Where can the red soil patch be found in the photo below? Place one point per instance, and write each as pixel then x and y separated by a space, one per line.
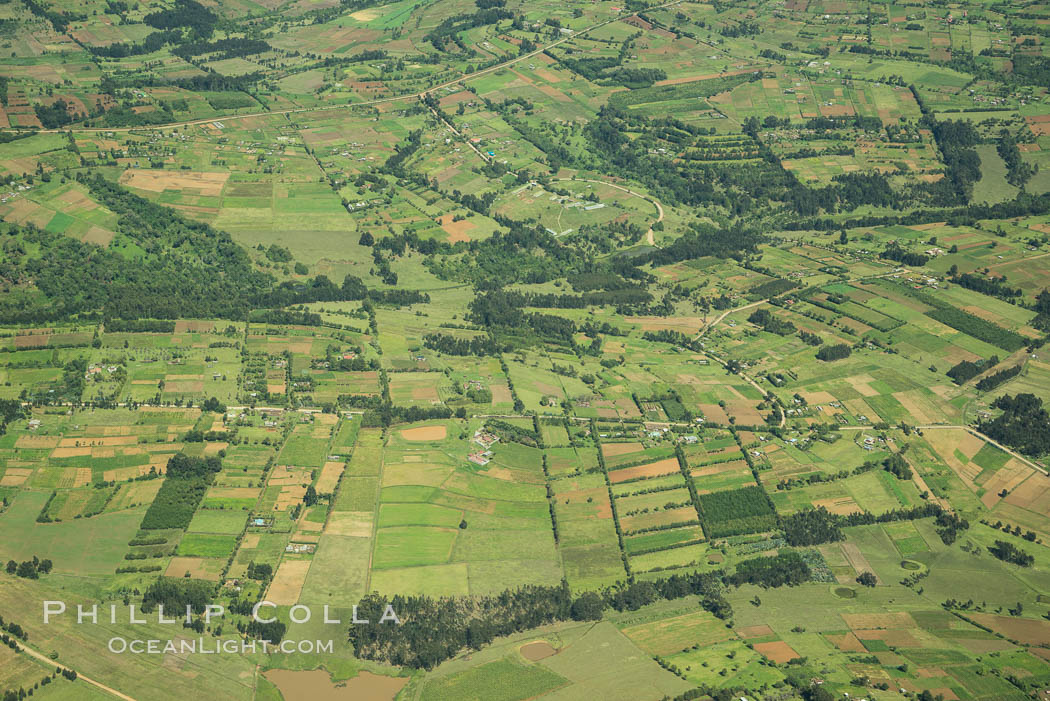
pixel 847 643
pixel 778 652
pixel 653 469
pixel 456 230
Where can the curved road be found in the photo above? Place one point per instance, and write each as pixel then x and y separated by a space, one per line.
pixel 652 200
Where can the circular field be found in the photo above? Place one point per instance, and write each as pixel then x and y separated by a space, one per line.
pixel 564 214
pixel 538 650
pixel 844 593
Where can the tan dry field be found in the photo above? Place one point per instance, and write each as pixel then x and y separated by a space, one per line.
pixel 184 386
pixel 290 496
pixel 860 383
pixel 197 567
pixel 613 449
pixel 71 452
pixel 36 442
pixel 859 407
pixel 720 468
pixel 134 493
pixel 194 326
pixel 326 419
pixel 688 325
pixel 114 452
pixel 713 412
pixel 895 638
pixel 425 392
pixel 915 404
pixel 215 448
pixel 14 476
pixel 980 646
pixel 1025 630
pixel 872 621
pixel 350 523
pixel 125 473
pixel 1032 494
pixel 500 393
pixel 288 582
pixel 424 433
pixel 22 342
pixel 207 184
pixel 538 650
pixel 666 466
pixel 278 347
pixel 671 635
pixel 778 652
pixel 329 478
pixel 599 500
pixel 684 514
pixel 946 442
pixel 284 475
pixel 745 412
pixel 857 561
pixel 456 230
pixel 840 506
pixel 317 684
pixel 1008 477
pixel 365 15
pixel 846 643
pixel 554 93
pixel 422 474
pixel 99 441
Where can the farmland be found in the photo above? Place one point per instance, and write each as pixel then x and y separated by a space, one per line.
pixel 623 350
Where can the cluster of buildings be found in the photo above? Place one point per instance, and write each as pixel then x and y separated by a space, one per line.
pixel 486 440
pixel 94 370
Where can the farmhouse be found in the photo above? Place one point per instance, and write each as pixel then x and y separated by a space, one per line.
pixel 485 439
pixel 479 457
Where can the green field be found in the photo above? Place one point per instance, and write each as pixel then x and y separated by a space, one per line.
pixel 627 351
